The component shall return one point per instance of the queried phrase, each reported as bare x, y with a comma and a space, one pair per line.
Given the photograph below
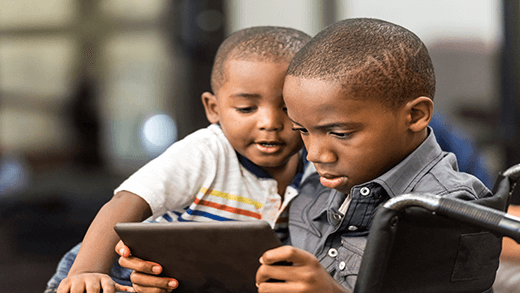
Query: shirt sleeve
171, 181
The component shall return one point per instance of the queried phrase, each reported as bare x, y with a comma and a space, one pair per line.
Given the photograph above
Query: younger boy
246, 165
361, 95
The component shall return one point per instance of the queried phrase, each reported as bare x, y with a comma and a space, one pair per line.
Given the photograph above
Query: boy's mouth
332, 182
269, 146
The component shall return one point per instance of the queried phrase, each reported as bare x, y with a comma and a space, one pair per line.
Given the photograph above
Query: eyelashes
245, 110
302, 131
339, 135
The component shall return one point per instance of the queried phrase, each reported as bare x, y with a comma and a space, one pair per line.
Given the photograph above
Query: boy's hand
143, 277
91, 283
306, 274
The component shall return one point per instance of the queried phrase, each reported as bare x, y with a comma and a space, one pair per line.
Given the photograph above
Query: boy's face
349, 141
252, 113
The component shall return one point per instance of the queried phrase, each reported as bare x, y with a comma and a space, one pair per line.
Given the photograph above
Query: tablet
203, 257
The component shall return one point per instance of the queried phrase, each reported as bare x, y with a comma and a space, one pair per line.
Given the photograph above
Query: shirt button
365, 191
336, 216
352, 228
342, 265
333, 252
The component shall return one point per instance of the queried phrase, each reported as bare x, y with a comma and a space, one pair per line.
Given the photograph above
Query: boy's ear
420, 111
209, 101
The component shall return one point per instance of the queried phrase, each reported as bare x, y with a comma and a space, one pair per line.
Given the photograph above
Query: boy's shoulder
212, 130
445, 179
428, 169
211, 136
209, 142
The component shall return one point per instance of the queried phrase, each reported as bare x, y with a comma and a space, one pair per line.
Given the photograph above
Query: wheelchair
425, 243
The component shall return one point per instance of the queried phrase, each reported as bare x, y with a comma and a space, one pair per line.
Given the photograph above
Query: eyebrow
245, 95
333, 125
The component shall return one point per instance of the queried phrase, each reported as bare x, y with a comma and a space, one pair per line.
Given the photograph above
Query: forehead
252, 60
316, 94
254, 76
318, 101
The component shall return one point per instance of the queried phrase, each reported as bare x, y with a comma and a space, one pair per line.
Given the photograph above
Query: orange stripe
229, 196
227, 208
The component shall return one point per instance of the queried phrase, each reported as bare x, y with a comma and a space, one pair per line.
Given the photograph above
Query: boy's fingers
267, 272
142, 289
99, 286
64, 286
147, 281
77, 288
140, 265
285, 253
278, 287
96, 289
124, 288
122, 249
276, 255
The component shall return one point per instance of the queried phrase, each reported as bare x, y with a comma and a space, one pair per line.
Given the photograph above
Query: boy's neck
284, 175
418, 139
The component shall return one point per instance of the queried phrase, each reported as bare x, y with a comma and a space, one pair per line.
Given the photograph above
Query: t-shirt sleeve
171, 181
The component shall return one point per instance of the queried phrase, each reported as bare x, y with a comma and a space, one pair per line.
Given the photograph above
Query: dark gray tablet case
203, 257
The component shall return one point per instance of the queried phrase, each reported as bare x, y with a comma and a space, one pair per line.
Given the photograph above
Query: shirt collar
252, 167
262, 174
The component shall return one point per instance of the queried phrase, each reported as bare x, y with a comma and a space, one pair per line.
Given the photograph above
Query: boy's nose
271, 120
318, 151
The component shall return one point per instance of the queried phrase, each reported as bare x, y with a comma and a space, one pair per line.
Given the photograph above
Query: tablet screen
203, 256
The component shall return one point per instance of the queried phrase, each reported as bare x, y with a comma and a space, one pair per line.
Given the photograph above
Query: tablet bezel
203, 256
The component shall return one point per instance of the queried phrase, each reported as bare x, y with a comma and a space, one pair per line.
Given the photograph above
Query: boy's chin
271, 165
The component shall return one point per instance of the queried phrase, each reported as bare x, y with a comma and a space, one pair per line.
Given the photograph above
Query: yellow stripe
238, 198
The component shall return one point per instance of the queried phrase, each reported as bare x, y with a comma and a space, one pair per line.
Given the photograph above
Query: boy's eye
342, 135
302, 131
245, 109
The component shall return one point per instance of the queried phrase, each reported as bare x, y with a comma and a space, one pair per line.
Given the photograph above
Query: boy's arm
96, 255
306, 274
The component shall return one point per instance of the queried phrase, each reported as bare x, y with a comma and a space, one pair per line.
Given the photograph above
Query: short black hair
371, 59
262, 43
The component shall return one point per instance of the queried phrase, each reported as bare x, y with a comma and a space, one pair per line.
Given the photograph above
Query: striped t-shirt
202, 178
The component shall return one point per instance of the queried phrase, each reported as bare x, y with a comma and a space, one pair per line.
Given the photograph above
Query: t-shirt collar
261, 173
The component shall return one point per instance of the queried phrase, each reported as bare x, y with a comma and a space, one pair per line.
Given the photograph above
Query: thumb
123, 288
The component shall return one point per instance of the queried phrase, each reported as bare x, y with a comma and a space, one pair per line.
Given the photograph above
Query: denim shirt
338, 240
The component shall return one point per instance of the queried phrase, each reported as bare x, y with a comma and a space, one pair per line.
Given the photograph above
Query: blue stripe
177, 213
167, 217
207, 215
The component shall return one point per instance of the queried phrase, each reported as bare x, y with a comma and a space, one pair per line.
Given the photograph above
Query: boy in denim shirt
361, 95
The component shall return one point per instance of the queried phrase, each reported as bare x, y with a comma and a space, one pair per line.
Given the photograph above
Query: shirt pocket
348, 260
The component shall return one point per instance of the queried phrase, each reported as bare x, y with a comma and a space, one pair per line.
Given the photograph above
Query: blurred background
90, 90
